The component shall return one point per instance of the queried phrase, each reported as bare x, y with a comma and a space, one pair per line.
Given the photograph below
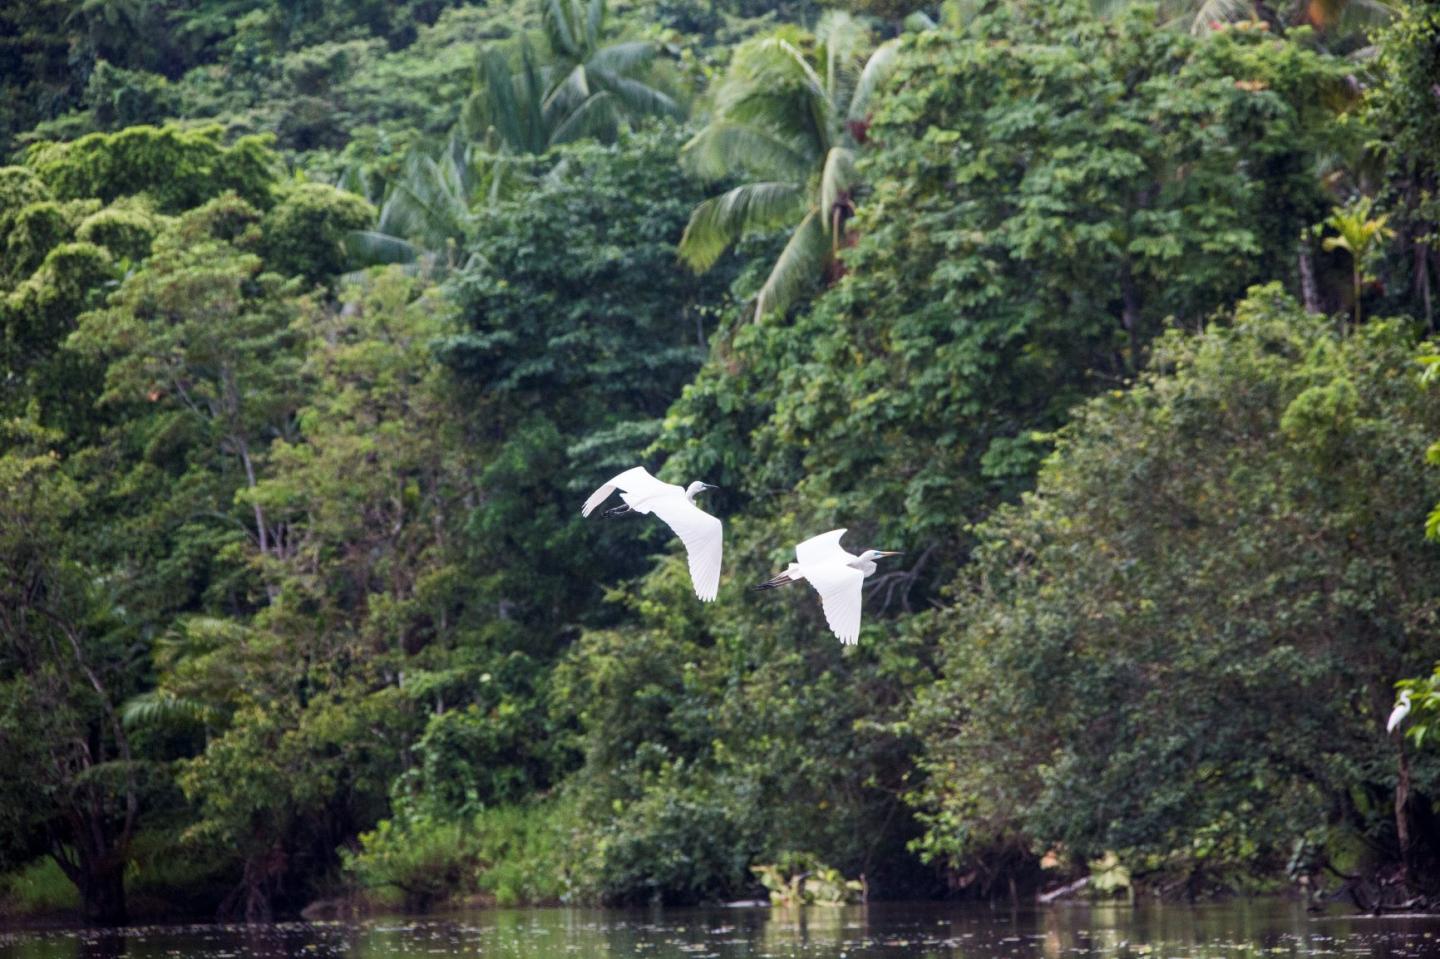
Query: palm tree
428, 211
791, 129
1360, 235
507, 108
200, 681
587, 88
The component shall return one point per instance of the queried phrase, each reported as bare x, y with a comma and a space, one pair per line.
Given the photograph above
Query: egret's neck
866, 566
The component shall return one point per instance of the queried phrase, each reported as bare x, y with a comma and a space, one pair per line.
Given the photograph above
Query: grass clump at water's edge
509, 854
38, 889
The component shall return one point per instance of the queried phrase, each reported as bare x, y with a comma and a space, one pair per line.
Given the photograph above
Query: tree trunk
1422, 281
1402, 808
1309, 291
1130, 315
102, 891
1355, 281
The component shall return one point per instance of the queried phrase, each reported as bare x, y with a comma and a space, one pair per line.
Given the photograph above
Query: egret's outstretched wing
821, 549
702, 535
631, 481
839, 587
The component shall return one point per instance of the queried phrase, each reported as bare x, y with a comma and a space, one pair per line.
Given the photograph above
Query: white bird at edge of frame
837, 576
1401, 710
698, 530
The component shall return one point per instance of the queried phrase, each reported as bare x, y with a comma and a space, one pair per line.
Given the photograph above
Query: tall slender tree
69, 784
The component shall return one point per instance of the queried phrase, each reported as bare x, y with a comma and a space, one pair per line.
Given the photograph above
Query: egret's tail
782, 580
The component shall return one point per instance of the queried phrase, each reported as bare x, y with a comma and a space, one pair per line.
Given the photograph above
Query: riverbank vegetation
321, 321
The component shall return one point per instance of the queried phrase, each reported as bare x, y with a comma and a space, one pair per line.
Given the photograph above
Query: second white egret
837, 576
698, 530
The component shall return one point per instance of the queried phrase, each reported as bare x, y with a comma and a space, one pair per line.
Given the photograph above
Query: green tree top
178, 168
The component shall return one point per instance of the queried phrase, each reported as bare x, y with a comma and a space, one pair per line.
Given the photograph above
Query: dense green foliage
319, 322
1018, 250
1217, 535
1406, 115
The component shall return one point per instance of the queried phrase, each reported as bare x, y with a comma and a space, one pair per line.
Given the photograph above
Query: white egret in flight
836, 575
1401, 710
697, 529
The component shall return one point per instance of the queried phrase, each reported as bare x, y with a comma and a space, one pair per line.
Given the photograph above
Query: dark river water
1246, 930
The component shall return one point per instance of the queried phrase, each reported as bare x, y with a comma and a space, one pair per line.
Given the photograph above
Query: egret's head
874, 554
696, 488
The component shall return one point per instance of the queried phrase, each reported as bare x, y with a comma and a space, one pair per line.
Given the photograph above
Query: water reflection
1251, 930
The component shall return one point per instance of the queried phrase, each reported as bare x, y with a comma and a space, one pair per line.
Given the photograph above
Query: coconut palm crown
586, 88
790, 126
426, 212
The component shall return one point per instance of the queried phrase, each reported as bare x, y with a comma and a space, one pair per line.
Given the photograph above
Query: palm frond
841, 39
497, 182
798, 268
356, 179
792, 113
721, 220
532, 101
836, 180
405, 211
159, 707
639, 99
565, 97
457, 153
560, 21
371, 247
509, 102
595, 117
767, 64
493, 106
721, 149
429, 203
623, 58
877, 70
771, 85
455, 179
594, 24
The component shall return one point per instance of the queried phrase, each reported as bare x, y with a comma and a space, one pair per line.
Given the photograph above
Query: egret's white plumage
1401, 710
701, 533
837, 575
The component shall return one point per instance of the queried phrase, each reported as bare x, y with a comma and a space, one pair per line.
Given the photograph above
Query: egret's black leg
618, 510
